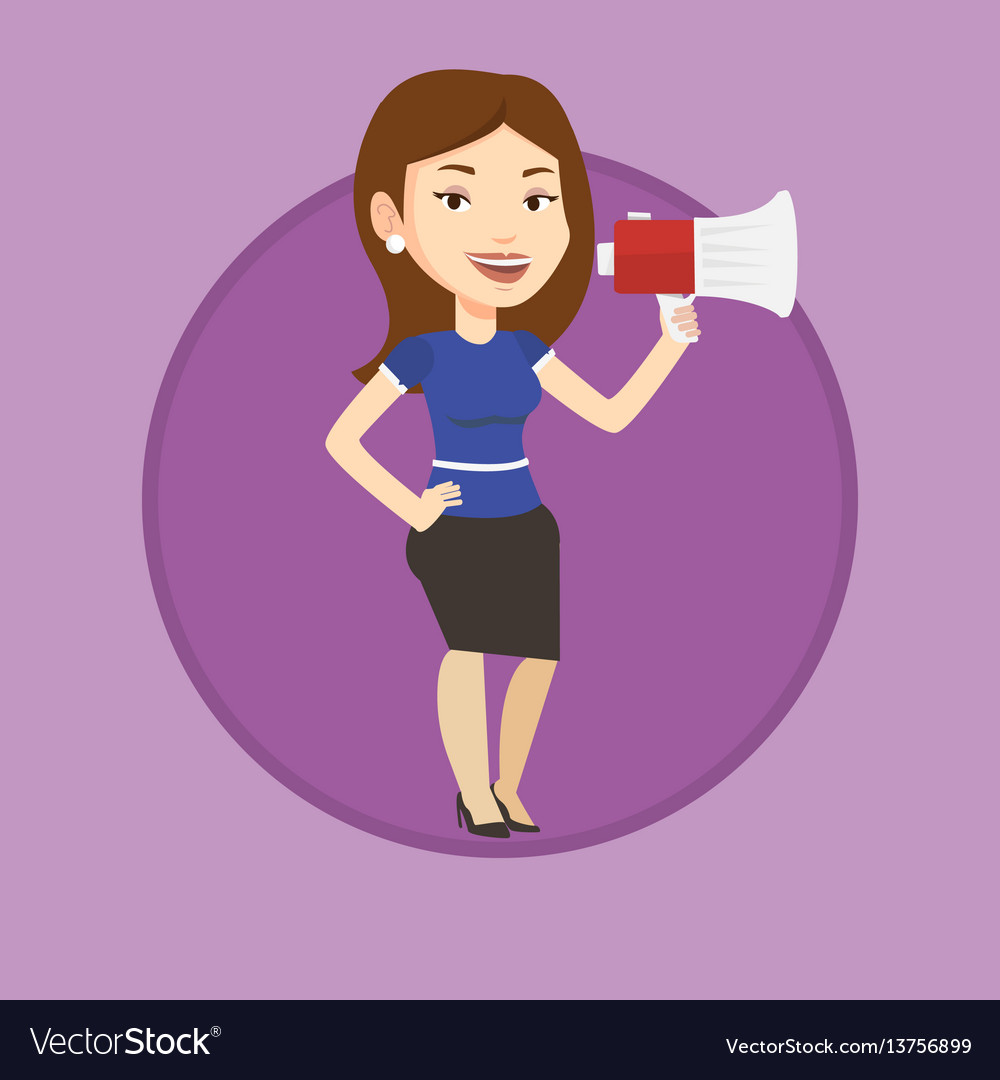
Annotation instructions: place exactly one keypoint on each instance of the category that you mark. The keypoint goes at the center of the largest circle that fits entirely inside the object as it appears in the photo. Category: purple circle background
(705, 550)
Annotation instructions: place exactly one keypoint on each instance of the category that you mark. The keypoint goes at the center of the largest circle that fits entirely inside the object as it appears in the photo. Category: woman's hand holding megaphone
(682, 329)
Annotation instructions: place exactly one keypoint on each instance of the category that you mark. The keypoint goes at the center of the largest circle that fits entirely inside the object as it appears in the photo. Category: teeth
(499, 262)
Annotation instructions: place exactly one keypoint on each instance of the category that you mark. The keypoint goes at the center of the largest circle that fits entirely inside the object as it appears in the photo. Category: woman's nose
(504, 239)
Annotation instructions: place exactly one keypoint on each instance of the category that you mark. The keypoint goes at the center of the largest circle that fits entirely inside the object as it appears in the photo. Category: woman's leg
(522, 707)
(462, 716)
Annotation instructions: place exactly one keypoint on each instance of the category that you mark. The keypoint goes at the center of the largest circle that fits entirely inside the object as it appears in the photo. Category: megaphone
(751, 257)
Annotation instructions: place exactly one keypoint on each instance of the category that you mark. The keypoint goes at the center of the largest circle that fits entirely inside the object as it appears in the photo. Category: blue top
(478, 397)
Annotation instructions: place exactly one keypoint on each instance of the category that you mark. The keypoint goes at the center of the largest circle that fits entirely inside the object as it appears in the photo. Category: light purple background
(148, 855)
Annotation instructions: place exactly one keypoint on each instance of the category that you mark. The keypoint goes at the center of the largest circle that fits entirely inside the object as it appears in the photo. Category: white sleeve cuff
(392, 378)
(544, 360)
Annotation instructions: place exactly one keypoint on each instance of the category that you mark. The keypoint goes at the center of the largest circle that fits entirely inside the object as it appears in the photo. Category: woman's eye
(453, 201)
(534, 203)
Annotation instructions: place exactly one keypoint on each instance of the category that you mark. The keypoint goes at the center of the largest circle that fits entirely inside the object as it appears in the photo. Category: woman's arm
(613, 414)
(344, 445)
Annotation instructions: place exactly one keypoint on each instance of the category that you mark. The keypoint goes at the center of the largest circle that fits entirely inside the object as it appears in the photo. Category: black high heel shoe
(514, 826)
(488, 828)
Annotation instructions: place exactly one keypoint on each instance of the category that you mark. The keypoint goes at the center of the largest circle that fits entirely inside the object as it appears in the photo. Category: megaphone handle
(669, 303)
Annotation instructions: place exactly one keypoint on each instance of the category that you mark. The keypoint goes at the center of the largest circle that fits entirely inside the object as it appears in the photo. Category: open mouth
(499, 267)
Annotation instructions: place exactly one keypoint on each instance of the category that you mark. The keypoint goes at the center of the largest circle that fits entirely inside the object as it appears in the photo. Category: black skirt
(493, 583)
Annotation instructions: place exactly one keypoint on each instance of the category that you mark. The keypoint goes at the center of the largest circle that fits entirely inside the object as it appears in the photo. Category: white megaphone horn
(751, 257)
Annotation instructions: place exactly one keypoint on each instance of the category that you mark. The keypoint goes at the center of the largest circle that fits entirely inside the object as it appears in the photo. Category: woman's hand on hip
(433, 502)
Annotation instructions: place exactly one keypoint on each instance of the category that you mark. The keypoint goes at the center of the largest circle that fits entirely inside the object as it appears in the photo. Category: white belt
(478, 466)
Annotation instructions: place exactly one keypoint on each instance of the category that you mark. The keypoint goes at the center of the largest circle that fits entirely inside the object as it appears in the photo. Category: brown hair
(440, 111)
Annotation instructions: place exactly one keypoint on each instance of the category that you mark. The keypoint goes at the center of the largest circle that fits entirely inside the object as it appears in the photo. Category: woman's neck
(474, 321)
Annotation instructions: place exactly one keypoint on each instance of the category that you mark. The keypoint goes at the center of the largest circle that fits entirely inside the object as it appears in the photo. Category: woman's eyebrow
(459, 168)
(531, 172)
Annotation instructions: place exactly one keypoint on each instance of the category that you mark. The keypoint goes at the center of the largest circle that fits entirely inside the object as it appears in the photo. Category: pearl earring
(395, 244)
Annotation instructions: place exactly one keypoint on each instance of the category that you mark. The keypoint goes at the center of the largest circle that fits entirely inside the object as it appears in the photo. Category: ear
(386, 219)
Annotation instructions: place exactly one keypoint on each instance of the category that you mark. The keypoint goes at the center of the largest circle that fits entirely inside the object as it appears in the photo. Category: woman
(472, 201)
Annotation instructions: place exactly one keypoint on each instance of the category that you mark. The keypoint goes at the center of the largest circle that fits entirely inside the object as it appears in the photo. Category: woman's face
(486, 221)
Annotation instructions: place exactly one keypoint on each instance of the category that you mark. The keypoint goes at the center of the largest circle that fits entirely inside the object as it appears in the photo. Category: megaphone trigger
(669, 304)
